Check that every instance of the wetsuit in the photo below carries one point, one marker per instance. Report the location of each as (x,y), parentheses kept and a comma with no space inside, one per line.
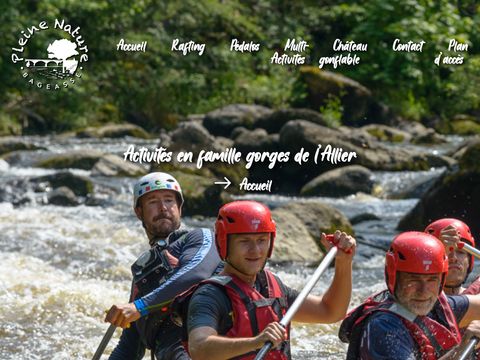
(192,257)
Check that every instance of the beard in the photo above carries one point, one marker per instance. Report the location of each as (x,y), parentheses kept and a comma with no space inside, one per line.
(161,226)
(420,308)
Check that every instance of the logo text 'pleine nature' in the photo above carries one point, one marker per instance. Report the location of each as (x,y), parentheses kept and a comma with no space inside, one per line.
(59,63)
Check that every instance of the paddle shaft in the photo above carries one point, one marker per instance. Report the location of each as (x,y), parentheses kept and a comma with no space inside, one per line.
(103,344)
(471,250)
(470,347)
(301,298)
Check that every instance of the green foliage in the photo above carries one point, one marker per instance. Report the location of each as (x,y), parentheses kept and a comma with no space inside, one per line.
(156,88)
(332,111)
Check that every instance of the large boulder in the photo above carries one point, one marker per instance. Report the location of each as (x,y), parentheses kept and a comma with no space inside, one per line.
(291,230)
(465,125)
(256,140)
(84,159)
(114,131)
(274,121)
(341,182)
(387,133)
(470,158)
(322,85)
(319,217)
(191,136)
(222,121)
(455,194)
(113,165)
(299,228)
(420,134)
(62,196)
(371,154)
(202,196)
(80,185)
(289,177)
(11,143)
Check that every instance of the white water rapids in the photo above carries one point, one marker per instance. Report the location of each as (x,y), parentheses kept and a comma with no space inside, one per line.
(61,267)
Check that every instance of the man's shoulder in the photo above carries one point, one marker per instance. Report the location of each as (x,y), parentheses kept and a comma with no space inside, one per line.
(190,236)
(210,289)
(201,234)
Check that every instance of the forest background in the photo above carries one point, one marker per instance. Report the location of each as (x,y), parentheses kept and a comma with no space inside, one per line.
(158,88)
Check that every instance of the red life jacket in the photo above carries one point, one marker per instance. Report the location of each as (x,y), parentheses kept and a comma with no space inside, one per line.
(252,312)
(432,338)
(473,289)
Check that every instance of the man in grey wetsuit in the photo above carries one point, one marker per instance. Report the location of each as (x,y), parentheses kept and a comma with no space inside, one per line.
(178,259)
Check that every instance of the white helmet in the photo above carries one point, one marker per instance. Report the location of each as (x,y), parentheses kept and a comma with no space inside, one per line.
(156,181)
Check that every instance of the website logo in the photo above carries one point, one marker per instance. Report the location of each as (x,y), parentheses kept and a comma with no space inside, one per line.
(50,58)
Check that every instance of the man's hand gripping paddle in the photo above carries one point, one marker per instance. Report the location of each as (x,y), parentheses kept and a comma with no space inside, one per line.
(327,260)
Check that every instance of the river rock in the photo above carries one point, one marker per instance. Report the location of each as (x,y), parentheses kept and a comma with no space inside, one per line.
(370,154)
(458,152)
(80,185)
(114,131)
(274,121)
(289,177)
(357,219)
(62,196)
(113,165)
(12,143)
(291,230)
(84,159)
(322,85)
(465,125)
(202,196)
(455,194)
(222,121)
(256,140)
(341,182)
(387,133)
(191,136)
(470,158)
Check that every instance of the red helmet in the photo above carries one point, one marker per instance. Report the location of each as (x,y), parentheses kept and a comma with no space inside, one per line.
(415,252)
(240,217)
(465,234)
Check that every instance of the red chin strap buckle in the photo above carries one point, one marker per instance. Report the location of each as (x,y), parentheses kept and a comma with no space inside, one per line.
(331,239)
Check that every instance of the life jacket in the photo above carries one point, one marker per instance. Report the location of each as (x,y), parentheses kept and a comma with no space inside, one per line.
(149,271)
(432,337)
(251,311)
(473,289)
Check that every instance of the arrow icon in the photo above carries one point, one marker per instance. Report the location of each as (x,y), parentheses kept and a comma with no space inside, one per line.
(226,182)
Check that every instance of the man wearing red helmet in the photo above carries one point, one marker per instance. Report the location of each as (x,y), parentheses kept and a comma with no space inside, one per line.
(460,264)
(413,319)
(233,315)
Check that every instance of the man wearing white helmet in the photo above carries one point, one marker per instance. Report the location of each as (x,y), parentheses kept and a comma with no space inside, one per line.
(177,259)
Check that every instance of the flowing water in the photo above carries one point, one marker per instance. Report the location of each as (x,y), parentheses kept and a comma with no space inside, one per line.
(63,266)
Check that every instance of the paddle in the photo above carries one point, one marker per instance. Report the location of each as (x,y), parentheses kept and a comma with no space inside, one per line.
(470,347)
(469,249)
(103,344)
(301,297)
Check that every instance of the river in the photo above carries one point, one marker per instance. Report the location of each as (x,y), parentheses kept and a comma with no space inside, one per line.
(63,266)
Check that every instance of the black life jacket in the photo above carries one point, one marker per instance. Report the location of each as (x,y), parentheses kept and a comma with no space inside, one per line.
(149,271)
